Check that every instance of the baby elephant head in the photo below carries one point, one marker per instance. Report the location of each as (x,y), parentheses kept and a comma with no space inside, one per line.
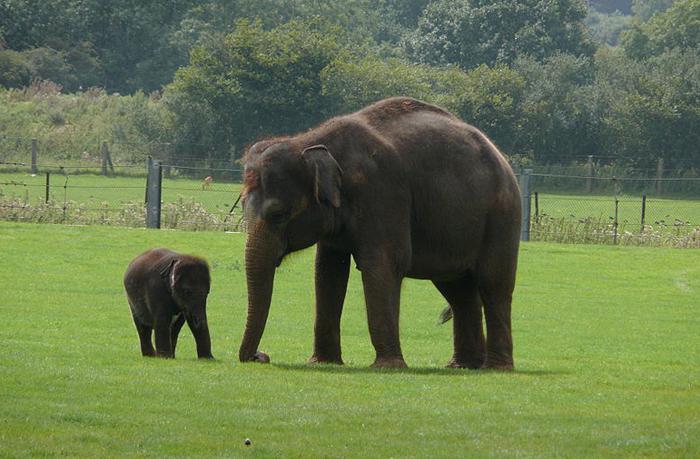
(189,283)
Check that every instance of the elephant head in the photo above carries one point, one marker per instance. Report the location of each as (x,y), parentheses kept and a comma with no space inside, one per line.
(189,281)
(291,195)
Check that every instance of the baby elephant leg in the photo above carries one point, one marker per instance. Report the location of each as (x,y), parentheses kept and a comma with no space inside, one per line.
(145,338)
(175,328)
(201,337)
(163,344)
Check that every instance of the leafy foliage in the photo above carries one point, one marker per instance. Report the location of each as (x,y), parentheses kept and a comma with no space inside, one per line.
(221,73)
(607,28)
(254,82)
(677,27)
(473,32)
(645,9)
(656,109)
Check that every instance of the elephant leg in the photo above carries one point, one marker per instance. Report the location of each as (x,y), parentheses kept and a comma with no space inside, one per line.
(175,327)
(469,342)
(161,327)
(145,332)
(332,271)
(382,287)
(496,283)
(202,339)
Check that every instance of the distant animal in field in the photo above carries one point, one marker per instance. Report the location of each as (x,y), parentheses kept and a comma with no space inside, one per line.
(207,182)
(165,289)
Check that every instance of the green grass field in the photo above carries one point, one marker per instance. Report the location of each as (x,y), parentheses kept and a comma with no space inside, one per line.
(658,210)
(95,189)
(606,344)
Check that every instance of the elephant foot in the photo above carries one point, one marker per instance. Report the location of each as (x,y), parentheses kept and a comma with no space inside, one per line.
(389,362)
(471,364)
(315,359)
(260,357)
(206,357)
(498,366)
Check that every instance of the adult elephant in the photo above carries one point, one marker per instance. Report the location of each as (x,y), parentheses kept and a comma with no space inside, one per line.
(407,190)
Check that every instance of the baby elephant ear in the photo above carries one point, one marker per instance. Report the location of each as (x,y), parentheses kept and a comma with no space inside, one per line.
(167,272)
(327,174)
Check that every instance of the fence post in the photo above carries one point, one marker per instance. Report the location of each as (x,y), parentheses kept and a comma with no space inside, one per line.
(525,196)
(659,175)
(644,210)
(35,154)
(48,185)
(616,221)
(589,169)
(106,159)
(153,191)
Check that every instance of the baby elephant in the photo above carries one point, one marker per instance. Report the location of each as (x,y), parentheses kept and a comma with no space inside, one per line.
(165,289)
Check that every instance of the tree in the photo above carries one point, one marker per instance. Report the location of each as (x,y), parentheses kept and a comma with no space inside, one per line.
(15,71)
(606,28)
(677,27)
(254,82)
(654,107)
(645,9)
(352,84)
(559,119)
(474,32)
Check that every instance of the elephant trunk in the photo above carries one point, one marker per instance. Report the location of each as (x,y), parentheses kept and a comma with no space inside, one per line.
(263,249)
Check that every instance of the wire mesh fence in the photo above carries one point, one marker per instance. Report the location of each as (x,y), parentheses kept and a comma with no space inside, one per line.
(617,210)
(564,208)
(80,195)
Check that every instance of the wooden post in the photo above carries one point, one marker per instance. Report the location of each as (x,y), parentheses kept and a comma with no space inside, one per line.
(106,159)
(35,154)
(589,170)
(153,193)
(168,154)
(48,185)
(659,176)
(525,196)
(537,206)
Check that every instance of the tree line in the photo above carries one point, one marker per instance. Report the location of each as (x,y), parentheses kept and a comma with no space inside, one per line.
(549,81)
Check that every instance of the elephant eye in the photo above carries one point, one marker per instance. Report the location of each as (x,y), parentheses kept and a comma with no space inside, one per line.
(278,217)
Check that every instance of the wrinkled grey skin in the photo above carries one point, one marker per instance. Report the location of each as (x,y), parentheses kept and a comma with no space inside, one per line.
(406,190)
(165,289)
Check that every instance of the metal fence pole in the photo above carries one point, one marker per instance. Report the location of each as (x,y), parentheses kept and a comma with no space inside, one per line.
(524,180)
(48,185)
(153,192)
(35,154)
(644,210)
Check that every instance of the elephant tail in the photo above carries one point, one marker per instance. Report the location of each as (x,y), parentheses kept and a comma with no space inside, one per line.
(445,315)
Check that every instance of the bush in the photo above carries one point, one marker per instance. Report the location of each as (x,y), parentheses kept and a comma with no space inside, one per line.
(15,71)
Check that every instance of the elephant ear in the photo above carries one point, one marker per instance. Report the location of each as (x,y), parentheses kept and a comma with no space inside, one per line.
(167,272)
(327,174)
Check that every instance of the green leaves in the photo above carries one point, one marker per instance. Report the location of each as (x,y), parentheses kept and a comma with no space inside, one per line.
(677,27)
(473,32)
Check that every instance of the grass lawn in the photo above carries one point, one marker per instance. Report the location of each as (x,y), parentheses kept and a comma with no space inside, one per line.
(607,352)
(658,210)
(95,189)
